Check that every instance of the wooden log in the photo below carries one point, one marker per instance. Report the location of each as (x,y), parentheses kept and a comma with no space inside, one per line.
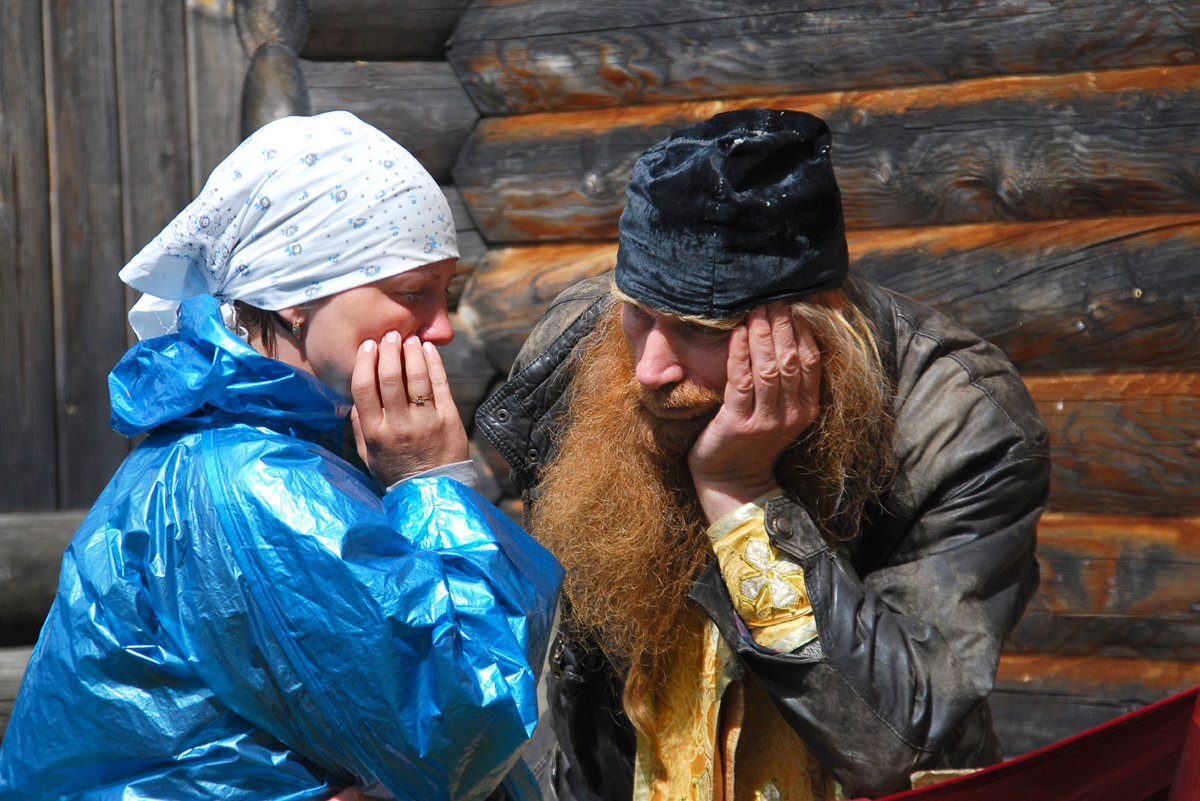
(217,66)
(274,88)
(471,373)
(536,55)
(1123,443)
(421,105)
(1100,294)
(12,668)
(998,149)
(263,22)
(1025,722)
(1133,637)
(471,248)
(1119,564)
(1104,294)
(31,549)
(26,304)
(86,211)
(396,30)
(1115,585)
(512,287)
(1041,699)
(1132,681)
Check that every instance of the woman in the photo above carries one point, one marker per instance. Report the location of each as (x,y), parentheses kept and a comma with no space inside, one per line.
(243,613)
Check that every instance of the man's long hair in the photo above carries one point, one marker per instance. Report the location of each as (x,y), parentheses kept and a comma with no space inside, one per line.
(617,505)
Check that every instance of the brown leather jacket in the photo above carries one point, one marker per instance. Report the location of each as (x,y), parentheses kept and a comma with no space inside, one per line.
(911,614)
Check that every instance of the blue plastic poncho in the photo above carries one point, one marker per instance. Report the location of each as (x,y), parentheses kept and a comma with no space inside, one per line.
(242,616)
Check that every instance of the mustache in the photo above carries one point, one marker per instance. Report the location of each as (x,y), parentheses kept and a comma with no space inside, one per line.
(684,395)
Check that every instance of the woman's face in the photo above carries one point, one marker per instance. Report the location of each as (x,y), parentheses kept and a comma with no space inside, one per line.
(412,302)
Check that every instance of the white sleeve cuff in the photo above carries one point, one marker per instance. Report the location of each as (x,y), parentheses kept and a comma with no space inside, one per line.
(463,472)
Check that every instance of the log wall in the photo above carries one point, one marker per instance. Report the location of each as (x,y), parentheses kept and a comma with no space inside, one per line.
(1028,167)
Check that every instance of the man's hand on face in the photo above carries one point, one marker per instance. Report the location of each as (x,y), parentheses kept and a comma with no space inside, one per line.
(772,394)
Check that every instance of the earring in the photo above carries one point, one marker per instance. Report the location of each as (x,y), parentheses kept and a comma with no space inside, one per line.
(296,328)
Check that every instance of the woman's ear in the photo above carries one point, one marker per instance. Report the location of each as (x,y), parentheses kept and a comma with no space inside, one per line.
(293,319)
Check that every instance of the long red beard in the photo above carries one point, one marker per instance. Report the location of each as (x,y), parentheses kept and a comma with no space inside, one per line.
(618,509)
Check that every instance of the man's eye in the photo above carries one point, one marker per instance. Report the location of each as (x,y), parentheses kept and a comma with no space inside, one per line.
(704,332)
(635,318)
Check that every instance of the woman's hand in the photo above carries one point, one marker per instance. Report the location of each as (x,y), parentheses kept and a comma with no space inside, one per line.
(351,793)
(404,417)
(772,394)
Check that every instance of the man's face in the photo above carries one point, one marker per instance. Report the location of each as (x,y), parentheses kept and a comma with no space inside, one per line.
(680,366)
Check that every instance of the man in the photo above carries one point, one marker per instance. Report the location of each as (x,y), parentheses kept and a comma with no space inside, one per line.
(797,511)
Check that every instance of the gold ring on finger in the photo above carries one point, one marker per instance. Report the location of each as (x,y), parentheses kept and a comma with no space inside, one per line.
(420,400)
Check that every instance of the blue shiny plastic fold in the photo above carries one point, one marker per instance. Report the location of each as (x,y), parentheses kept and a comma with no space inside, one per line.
(242,616)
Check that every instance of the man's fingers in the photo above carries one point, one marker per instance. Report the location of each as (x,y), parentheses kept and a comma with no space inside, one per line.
(783,333)
(808,385)
(764,361)
(739,381)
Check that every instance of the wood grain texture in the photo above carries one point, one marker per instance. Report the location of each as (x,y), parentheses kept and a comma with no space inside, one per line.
(1103,294)
(1136,681)
(87,222)
(512,287)
(217,65)
(391,30)
(1043,698)
(27,415)
(1028,721)
(12,668)
(31,549)
(1123,443)
(421,105)
(1090,294)
(537,55)
(1116,585)
(998,149)
(152,77)
(1125,565)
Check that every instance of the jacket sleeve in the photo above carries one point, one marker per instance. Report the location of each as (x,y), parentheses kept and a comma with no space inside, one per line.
(909,632)
(395,641)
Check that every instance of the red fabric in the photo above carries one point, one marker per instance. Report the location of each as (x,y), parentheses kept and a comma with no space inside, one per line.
(1152,754)
(1186,786)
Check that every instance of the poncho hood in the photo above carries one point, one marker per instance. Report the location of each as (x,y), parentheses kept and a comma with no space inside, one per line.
(204,372)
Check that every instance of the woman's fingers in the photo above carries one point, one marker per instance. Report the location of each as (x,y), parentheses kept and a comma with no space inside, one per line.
(439,381)
(405,419)
(364,383)
(391,371)
(420,389)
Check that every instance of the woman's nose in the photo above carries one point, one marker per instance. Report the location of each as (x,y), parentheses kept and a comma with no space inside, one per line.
(439,331)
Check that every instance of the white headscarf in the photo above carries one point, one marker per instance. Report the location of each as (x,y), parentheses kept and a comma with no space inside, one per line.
(303,208)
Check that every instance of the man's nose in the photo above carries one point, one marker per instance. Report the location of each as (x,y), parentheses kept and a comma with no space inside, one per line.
(658,364)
